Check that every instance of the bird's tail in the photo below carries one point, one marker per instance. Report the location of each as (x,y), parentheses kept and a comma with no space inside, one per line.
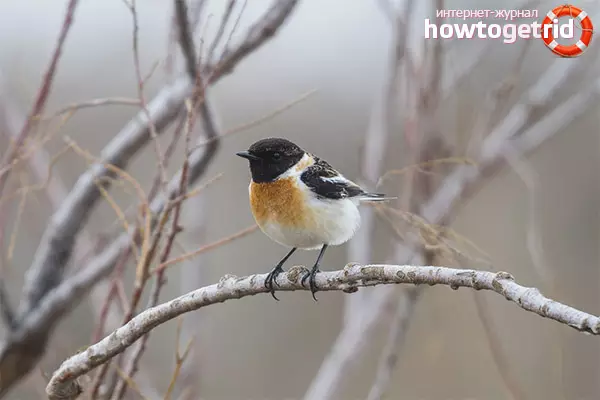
(375,197)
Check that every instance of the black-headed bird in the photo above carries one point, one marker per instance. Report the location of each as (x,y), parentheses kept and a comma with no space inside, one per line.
(300,201)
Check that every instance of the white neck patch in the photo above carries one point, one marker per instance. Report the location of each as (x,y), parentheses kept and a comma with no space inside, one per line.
(298,168)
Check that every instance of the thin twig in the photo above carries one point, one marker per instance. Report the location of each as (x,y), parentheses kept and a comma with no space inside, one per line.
(258,121)
(235,25)
(392,349)
(186,41)
(41,165)
(265,28)
(110,296)
(8,315)
(132,365)
(15,145)
(107,101)
(42,95)
(179,359)
(495,345)
(456,187)
(205,248)
(221,30)
(47,297)
(167,156)
(140,88)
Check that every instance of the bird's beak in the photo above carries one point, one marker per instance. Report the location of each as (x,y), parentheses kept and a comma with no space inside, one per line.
(247,155)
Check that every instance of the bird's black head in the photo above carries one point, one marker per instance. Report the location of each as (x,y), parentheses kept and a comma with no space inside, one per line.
(271,157)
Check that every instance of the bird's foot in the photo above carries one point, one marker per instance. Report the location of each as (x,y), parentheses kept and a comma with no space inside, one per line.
(311,276)
(271,280)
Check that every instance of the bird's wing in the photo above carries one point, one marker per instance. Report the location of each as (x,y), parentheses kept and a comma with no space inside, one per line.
(327,183)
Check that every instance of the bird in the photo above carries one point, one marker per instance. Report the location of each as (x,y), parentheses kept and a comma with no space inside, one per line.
(301,202)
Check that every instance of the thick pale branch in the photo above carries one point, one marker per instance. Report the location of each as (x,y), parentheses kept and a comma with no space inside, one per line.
(63,384)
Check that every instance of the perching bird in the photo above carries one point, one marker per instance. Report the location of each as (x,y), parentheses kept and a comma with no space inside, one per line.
(300,201)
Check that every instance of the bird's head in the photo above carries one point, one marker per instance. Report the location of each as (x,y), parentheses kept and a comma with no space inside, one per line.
(271,157)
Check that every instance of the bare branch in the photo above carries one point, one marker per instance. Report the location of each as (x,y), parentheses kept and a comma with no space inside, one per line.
(42,95)
(8,316)
(40,163)
(221,31)
(375,142)
(108,101)
(63,384)
(257,34)
(511,133)
(391,351)
(211,131)
(56,245)
(131,4)
(46,298)
(495,345)
(186,40)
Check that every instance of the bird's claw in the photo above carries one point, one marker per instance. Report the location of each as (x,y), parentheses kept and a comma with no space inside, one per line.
(271,280)
(311,276)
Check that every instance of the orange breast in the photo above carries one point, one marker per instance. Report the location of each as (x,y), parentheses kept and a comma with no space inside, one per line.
(280,201)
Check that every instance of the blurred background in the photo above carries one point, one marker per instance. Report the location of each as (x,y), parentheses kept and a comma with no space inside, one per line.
(534,215)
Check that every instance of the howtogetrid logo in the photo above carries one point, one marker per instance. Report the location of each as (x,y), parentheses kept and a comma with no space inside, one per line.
(550,30)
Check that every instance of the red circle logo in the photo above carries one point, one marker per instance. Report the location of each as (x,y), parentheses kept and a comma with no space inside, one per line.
(587,30)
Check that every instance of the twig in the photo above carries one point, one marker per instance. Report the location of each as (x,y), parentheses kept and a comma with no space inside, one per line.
(186,42)
(46,296)
(274,18)
(235,25)
(258,121)
(154,188)
(534,240)
(132,367)
(8,316)
(131,4)
(63,384)
(17,224)
(111,294)
(41,165)
(495,345)
(375,143)
(42,95)
(179,359)
(114,289)
(221,30)
(391,351)
(184,257)
(456,187)
(196,10)
(108,101)
(67,221)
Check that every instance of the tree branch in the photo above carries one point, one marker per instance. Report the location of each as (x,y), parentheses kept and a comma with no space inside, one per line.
(58,240)
(42,95)
(257,34)
(46,297)
(56,191)
(63,384)
(186,40)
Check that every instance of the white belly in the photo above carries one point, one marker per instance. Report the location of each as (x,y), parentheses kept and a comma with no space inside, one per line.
(333,222)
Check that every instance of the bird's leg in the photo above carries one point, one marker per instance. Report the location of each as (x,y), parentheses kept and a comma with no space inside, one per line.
(313,273)
(271,279)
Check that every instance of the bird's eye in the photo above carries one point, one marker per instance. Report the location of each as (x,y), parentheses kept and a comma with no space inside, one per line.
(276,156)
